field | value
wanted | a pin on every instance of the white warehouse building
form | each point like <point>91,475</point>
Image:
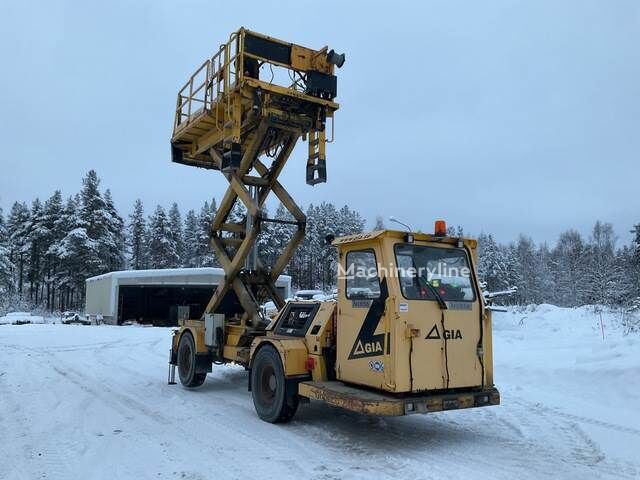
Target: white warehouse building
<point>156,297</point>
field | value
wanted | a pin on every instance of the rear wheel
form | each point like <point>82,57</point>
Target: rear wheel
<point>273,400</point>
<point>187,363</point>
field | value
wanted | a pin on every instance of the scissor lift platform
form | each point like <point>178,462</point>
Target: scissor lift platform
<point>237,117</point>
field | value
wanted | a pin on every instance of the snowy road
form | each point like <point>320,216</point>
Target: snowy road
<point>92,402</point>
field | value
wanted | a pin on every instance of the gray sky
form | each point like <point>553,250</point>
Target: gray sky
<point>500,116</point>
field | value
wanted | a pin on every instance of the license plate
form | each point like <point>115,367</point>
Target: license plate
<point>451,404</point>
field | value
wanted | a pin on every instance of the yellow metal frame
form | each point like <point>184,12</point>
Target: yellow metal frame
<point>226,109</point>
<point>209,107</point>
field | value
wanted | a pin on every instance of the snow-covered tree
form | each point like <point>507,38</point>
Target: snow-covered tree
<point>602,273</point>
<point>113,245</point>
<point>52,212</point>
<point>525,256</point>
<point>95,219</point>
<point>73,250</point>
<point>175,225</point>
<point>17,224</point>
<point>492,264</point>
<point>568,268</point>
<point>36,235</point>
<point>545,288</point>
<point>137,238</point>
<point>47,251</point>
<point>277,237</point>
<point>191,237</point>
<point>6,266</point>
<point>162,247</point>
<point>625,292</point>
<point>635,261</point>
<point>204,254</point>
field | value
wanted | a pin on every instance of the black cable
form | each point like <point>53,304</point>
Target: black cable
<point>411,363</point>
<point>480,345</point>
<point>446,354</point>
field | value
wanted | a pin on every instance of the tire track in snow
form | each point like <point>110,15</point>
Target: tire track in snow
<point>541,420</point>
<point>123,403</point>
<point>42,459</point>
<point>579,418</point>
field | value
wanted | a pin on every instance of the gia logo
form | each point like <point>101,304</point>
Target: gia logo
<point>368,343</point>
<point>376,366</point>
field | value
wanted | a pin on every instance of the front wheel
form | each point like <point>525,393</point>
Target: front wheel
<point>273,401</point>
<point>187,363</point>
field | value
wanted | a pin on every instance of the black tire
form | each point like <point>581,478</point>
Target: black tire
<point>187,363</point>
<point>272,396</point>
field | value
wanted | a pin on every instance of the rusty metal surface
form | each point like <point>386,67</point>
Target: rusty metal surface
<point>376,403</point>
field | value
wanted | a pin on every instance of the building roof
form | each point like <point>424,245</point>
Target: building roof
<point>190,273</point>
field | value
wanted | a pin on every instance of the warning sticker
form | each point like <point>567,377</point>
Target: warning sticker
<point>404,307</point>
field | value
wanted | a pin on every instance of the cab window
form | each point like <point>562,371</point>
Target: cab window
<point>361,274</point>
<point>428,272</point>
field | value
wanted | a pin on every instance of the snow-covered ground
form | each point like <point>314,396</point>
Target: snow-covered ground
<point>93,403</point>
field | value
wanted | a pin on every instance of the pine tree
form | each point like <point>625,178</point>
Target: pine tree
<point>528,285</point>
<point>280,235</point>
<point>136,238</point>
<point>6,266</point>
<point>349,222</point>
<point>567,268</point>
<point>113,244</point>
<point>635,261</point>
<point>602,273</point>
<point>492,264</point>
<point>545,287</point>
<point>95,219</point>
<point>73,250</point>
<point>204,254</point>
<point>191,238</point>
<point>265,244</point>
<point>175,224</point>
<point>17,224</point>
<point>455,231</point>
<point>326,264</point>
<point>36,234</point>
<point>626,289</point>
<point>513,273</point>
<point>53,210</point>
<point>162,247</point>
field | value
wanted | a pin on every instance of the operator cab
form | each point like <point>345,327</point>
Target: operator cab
<point>407,301</point>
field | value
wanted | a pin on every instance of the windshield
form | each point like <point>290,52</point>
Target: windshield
<point>446,269</point>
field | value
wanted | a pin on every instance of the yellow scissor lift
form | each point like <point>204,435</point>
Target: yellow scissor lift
<point>234,115</point>
<point>389,344</point>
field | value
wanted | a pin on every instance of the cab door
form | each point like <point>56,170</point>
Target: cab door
<point>444,353</point>
<point>361,336</point>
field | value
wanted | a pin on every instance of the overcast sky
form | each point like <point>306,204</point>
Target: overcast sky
<point>502,117</point>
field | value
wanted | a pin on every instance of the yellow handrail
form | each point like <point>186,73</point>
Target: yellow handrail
<point>210,86</point>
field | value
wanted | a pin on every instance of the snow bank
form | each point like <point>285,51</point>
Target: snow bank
<point>20,318</point>
<point>24,318</point>
<point>577,360</point>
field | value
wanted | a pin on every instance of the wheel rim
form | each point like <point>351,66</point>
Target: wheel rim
<point>268,384</point>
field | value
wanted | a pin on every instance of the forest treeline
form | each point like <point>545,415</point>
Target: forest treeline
<point>48,249</point>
